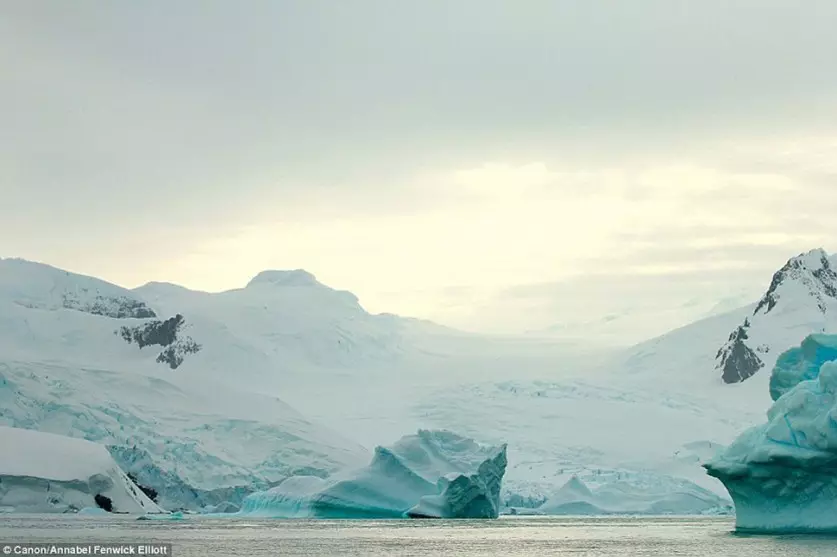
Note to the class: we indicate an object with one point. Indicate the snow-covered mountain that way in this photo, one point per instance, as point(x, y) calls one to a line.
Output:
point(801, 299)
point(189, 388)
point(84, 358)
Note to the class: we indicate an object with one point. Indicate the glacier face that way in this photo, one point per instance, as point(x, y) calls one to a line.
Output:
point(432, 474)
point(42, 473)
point(781, 475)
point(195, 443)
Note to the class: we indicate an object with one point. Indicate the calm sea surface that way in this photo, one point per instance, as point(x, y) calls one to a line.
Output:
point(517, 536)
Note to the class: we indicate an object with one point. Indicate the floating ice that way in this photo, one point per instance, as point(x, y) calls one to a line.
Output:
point(781, 475)
point(433, 474)
point(621, 497)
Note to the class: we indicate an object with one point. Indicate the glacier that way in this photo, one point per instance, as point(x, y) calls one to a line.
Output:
point(43, 472)
point(431, 474)
point(781, 474)
point(216, 427)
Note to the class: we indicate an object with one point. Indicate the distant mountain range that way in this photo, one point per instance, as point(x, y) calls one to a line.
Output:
point(206, 397)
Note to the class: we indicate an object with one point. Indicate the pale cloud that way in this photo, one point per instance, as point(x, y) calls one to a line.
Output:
point(529, 223)
point(430, 157)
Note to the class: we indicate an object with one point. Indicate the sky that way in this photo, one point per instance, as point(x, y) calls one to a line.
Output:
point(492, 165)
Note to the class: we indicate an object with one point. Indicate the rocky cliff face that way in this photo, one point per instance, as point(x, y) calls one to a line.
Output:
point(737, 360)
point(163, 333)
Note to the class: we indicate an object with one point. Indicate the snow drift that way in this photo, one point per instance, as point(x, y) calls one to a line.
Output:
point(781, 475)
point(432, 474)
point(42, 472)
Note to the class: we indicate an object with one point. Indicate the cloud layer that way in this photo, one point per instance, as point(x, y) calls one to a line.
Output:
point(435, 158)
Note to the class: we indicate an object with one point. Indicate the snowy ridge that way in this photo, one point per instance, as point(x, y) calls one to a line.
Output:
point(42, 472)
point(801, 299)
point(35, 285)
point(282, 320)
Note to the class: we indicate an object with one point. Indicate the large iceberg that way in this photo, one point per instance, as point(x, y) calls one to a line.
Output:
point(782, 475)
point(43, 472)
point(432, 474)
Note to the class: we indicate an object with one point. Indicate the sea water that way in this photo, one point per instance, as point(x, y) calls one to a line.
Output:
point(512, 536)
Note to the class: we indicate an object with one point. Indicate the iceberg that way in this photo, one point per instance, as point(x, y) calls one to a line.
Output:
point(781, 475)
point(43, 473)
point(432, 474)
point(622, 497)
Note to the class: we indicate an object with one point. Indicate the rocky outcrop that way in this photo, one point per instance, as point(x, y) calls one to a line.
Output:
point(165, 334)
point(737, 361)
point(117, 307)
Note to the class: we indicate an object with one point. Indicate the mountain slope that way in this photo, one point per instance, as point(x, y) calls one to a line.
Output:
point(801, 299)
point(215, 420)
point(67, 367)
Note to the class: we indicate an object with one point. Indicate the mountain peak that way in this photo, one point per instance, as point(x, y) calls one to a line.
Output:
point(297, 277)
point(812, 272)
point(801, 299)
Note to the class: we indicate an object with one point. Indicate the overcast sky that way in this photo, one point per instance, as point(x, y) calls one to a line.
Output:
point(468, 161)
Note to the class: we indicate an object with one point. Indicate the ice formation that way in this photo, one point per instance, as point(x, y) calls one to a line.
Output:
point(781, 475)
point(432, 474)
point(622, 497)
point(42, 472)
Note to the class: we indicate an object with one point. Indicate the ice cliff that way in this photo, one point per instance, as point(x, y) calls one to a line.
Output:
point(432, 474)
point(781, 475)
point(42, 472)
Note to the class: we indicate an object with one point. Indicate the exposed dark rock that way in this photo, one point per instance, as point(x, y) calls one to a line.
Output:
point(174, 354)
point(150, 492)
point(118, 307)
point(163, 333)
point(737, 361)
